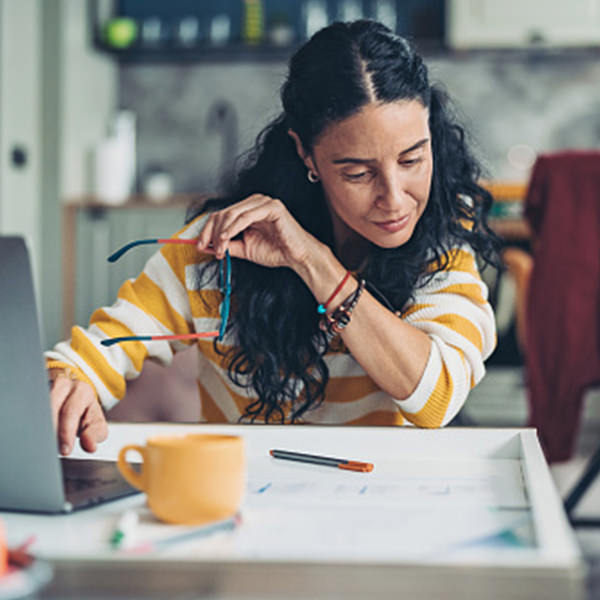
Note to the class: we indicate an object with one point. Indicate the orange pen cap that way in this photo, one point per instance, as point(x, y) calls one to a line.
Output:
point(354, 465)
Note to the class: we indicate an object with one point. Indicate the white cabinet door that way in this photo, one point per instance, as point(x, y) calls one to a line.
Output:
point(506, 23)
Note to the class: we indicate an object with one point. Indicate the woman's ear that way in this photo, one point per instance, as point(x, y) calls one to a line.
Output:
point(304, 156)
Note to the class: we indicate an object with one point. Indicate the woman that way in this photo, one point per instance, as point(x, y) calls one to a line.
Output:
point(352, 229)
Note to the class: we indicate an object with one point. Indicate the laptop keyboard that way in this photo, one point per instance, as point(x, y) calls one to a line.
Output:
point(88, 481)
point(77, 484)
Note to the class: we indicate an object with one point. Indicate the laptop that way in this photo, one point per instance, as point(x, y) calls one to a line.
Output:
point(33, 477)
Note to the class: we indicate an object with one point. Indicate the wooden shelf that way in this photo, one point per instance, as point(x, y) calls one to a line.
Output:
point(138, 201)
point(234, 51)
point(506, 191)
point(511, 229)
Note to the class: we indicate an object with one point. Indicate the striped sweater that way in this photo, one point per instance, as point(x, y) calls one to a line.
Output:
point(166, 298)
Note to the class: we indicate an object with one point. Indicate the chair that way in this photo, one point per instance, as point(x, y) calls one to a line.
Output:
point(558, 310)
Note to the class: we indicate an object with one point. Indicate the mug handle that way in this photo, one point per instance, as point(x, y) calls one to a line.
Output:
point(131, 476)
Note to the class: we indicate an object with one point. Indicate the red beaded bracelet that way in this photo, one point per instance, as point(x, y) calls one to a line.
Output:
point(322, 308)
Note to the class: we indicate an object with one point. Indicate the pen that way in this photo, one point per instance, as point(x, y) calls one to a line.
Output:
point(340, 463)
point(124, 531)
point(203, 531)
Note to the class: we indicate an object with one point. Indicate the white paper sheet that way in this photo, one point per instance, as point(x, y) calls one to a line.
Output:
point(401, 484)
point(408, 510)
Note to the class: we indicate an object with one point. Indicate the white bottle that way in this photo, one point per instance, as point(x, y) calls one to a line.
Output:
point(115, 161)
point(314, 16)
point(349, 10)
point(385, 12)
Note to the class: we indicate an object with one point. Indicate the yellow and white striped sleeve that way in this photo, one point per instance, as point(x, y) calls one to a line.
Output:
point(453, 309)
point(156, 303)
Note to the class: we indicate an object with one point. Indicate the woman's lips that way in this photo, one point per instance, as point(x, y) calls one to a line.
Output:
point(394, 225)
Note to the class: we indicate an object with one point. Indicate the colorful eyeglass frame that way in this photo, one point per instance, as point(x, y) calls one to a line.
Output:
point(224, 285)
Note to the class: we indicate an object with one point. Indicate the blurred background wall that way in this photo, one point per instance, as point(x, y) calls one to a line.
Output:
point(516, 103)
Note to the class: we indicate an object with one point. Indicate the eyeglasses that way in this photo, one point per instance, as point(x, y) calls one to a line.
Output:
point(224, 286)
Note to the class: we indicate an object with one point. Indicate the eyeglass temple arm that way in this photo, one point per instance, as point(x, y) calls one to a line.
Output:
point(145, 338)
point(148, 338)
point(118, 253)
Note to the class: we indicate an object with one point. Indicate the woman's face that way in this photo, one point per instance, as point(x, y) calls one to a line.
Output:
point(375, 168)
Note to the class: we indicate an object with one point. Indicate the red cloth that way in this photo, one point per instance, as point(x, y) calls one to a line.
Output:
point(563, 307)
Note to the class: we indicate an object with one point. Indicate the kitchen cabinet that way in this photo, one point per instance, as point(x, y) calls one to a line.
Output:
point(522, 23)
point(92, 231)
point(234, 30)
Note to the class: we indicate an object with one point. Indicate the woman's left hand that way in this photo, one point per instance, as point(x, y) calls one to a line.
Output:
point(268, 234)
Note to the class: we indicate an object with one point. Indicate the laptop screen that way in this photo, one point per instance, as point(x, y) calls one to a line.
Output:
point(30, 472)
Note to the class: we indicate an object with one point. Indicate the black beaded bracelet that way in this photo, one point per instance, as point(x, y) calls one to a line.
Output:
point(340, 317)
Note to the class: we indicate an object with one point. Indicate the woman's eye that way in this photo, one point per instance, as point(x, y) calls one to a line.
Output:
point(356, 176)
point(410, 161)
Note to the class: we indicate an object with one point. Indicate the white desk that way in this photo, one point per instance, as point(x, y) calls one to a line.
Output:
point(435, 519)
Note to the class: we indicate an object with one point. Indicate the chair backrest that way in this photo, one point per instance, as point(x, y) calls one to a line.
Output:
point(563, 305)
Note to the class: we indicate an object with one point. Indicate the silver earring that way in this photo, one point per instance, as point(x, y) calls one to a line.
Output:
point(312, 176)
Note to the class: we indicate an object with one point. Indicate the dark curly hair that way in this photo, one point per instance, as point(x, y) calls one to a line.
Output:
point(280, 347)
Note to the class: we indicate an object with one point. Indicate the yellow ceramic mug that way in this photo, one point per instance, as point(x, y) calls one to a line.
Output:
point(191, 479)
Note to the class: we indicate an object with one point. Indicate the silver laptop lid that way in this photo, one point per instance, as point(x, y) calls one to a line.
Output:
point(30, 473)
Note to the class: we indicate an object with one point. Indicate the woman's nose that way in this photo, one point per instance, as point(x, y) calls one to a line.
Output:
point(392, 193)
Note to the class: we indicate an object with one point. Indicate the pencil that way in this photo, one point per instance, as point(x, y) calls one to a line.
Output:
point(197, 532)
point(340, 463)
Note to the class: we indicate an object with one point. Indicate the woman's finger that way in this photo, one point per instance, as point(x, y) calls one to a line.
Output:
point(213, 237)
point(94, 428)
point(269, 210)
point(237, 249)
point(205, 237)
point(208, 240)
point(70, 415)
point(218, 243)
point(257, 209)
point(230, 214)
point(61, 388)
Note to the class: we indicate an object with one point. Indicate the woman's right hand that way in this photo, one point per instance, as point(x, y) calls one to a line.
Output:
point(75, 412)
point(259, 229)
